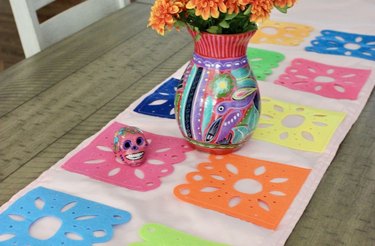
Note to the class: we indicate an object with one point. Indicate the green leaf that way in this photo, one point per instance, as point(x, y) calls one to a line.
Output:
point(230, 16)
point(179, 24)
point(198, 33)
point(191, 11)
point(250, 27)
point(224, 24)
point(247, 11)
point(213, 29)
point(282, 10)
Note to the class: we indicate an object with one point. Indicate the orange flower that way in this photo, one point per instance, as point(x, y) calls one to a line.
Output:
point(260, 9)
point(284, 3)
point(163, 13)
point(207, 8)
point(233, 6)
point(166, 14)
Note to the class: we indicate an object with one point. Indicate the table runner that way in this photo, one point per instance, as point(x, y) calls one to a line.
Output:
point(313, 49)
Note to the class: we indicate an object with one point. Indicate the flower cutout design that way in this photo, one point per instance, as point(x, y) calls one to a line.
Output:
point(249, 189)
point(161, 102)
point(344, 44)
point(98, 161)
point(48, 217)
point(263, 61)
point(281, 33)
point(161, 235)
point(296, 126)
point(324, 80)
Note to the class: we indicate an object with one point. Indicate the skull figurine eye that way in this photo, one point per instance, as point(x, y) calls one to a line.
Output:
point(140, 141)
point(127, 144)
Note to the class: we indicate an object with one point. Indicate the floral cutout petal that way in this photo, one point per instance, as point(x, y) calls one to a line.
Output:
point(325, 80)
point(161, 102)
point(345, 44)
point(162, 153)
point(296, 126)
point(245, 189)
point(160, 235)
point(281, 33)
point(263, 61)
point(63, 220)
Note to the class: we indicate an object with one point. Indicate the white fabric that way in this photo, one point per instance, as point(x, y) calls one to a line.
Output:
point(161, 206)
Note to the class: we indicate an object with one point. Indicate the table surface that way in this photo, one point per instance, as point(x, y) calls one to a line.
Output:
point(51, 102)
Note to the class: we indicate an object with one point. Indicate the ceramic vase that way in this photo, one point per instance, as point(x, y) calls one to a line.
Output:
point(217, 102)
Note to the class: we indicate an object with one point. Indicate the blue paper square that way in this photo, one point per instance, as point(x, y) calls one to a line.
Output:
point(345, 44)
point(80, 221)
point(161, 102)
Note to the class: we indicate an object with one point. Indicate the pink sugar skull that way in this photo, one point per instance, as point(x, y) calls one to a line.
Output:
point(130, 145)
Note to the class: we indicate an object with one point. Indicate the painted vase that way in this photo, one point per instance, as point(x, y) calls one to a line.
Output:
point(217, 102)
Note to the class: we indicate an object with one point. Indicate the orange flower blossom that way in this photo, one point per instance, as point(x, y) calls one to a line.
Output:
point(233, 6)
point(260, 9)
point(207, 8)
point(284, 3)
point(162, 14)
point(212, 15)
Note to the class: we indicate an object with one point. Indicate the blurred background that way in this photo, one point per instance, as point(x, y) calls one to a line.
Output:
point(11, 50)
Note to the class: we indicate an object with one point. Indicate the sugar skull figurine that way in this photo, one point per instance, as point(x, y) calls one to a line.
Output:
point(129, 144)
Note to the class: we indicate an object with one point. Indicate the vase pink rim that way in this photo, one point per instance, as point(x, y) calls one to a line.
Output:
point(221, 46)
point(194, 33)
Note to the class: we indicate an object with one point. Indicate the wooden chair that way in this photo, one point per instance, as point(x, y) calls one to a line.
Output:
point(37, 36)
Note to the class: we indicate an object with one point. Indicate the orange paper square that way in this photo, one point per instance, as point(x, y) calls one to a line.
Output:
point(254, 190)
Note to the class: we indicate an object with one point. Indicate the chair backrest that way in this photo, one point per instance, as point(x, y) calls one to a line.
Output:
point(37, 36)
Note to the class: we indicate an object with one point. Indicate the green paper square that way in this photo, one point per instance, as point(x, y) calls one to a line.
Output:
point(263, 61)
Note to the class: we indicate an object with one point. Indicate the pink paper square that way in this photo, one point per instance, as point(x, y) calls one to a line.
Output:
point(98, 161)
point(325, 80)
